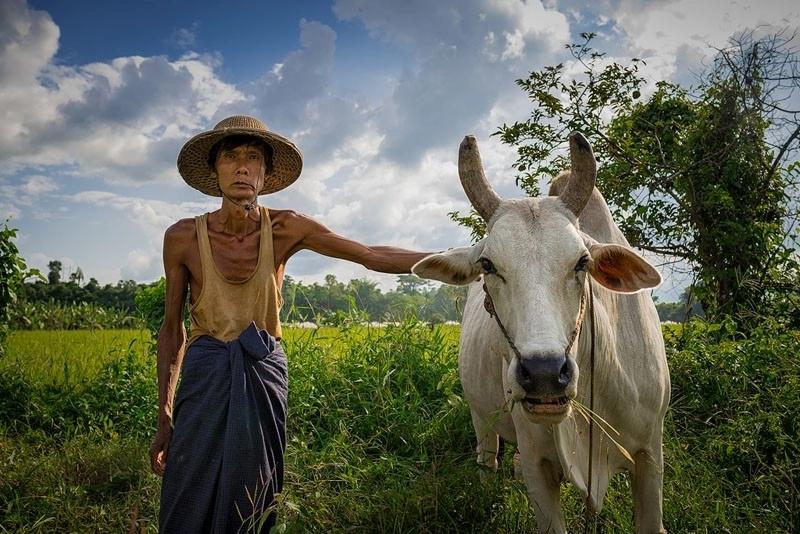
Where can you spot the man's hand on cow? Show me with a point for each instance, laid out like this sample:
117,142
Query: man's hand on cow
158,450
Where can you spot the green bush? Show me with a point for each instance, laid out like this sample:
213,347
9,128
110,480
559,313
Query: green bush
13,272
150,303
734,422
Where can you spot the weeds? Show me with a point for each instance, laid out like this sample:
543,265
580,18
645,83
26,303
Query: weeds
380,439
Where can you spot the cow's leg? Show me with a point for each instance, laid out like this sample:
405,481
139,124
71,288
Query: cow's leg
488,441
648,476
543,480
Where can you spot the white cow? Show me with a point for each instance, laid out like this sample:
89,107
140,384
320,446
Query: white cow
538,261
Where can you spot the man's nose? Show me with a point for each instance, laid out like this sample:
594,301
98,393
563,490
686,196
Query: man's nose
241,166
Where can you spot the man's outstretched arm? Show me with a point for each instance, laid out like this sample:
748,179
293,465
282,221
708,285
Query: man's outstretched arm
171,343
385,259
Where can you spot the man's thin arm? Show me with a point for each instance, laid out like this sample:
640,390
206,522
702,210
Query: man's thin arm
172,335
385,259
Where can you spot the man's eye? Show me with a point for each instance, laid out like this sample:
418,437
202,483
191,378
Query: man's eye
487,266
582,263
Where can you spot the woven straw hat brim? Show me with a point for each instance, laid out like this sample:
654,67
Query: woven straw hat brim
287,160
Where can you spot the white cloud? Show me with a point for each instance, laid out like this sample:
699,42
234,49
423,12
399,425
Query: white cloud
685,29
186,38
37,184
141,265
121,121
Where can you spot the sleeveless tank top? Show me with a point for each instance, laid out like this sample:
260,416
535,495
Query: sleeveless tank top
225,307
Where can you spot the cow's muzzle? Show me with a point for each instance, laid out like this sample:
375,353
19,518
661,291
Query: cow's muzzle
549,383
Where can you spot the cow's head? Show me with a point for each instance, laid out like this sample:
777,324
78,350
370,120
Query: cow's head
535,262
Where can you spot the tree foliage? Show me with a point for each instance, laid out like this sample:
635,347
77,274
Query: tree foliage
705,175
335,302
13,272
54,272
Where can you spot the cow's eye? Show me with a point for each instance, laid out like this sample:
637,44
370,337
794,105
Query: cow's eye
487,266
582,263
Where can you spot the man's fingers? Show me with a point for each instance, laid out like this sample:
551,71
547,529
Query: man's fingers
158,455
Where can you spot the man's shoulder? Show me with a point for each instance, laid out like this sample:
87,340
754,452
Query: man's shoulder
276,214
180,232
288,217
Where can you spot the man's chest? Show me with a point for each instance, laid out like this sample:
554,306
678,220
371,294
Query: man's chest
233,259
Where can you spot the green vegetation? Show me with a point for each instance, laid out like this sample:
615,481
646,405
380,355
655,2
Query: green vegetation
56,316
707,175
380,437
120,296
334,302
13,271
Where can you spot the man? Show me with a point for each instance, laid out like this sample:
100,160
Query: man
220,445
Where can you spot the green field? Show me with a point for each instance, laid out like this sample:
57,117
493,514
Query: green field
380,438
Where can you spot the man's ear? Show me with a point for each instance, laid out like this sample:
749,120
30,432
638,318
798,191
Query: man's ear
620,269
457,266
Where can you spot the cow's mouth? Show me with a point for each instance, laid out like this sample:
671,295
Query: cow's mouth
552,406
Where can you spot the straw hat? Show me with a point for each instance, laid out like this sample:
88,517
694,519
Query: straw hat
287,161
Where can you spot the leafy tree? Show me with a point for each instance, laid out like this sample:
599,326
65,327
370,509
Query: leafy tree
703,177
54,273
77,276
409,283
13,271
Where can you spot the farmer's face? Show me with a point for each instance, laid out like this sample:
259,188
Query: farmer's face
241,171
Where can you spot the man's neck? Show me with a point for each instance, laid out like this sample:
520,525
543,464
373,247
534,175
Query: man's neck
235,219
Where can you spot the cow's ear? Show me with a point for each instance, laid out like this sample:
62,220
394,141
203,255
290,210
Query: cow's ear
457,266
620,269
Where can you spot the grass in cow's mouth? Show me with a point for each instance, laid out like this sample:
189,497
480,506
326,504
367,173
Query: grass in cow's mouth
604,426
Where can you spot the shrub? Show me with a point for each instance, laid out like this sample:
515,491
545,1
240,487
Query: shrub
150,303
734,417
13,271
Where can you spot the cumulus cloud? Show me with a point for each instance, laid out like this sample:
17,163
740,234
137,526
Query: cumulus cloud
683,33
121,121
152,218
468,54
26,193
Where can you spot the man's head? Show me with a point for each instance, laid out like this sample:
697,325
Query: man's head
241,164
200,158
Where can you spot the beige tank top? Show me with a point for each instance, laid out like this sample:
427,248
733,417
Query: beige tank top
225,307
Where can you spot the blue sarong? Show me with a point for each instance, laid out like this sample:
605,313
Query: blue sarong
225,459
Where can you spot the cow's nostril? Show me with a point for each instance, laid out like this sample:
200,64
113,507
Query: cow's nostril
565,375
524,373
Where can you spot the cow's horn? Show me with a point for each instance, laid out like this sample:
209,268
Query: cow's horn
583,174
473,180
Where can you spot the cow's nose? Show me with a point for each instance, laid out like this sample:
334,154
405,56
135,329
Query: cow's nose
545,376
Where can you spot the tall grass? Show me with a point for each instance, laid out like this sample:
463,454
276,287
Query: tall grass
71,357
380,438
76,316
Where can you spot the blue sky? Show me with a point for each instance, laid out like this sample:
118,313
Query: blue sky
98,97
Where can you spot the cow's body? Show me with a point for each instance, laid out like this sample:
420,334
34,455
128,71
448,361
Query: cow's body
631,394
538,262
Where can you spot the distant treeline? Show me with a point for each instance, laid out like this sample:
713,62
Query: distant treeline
332,302
119,296
362,299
